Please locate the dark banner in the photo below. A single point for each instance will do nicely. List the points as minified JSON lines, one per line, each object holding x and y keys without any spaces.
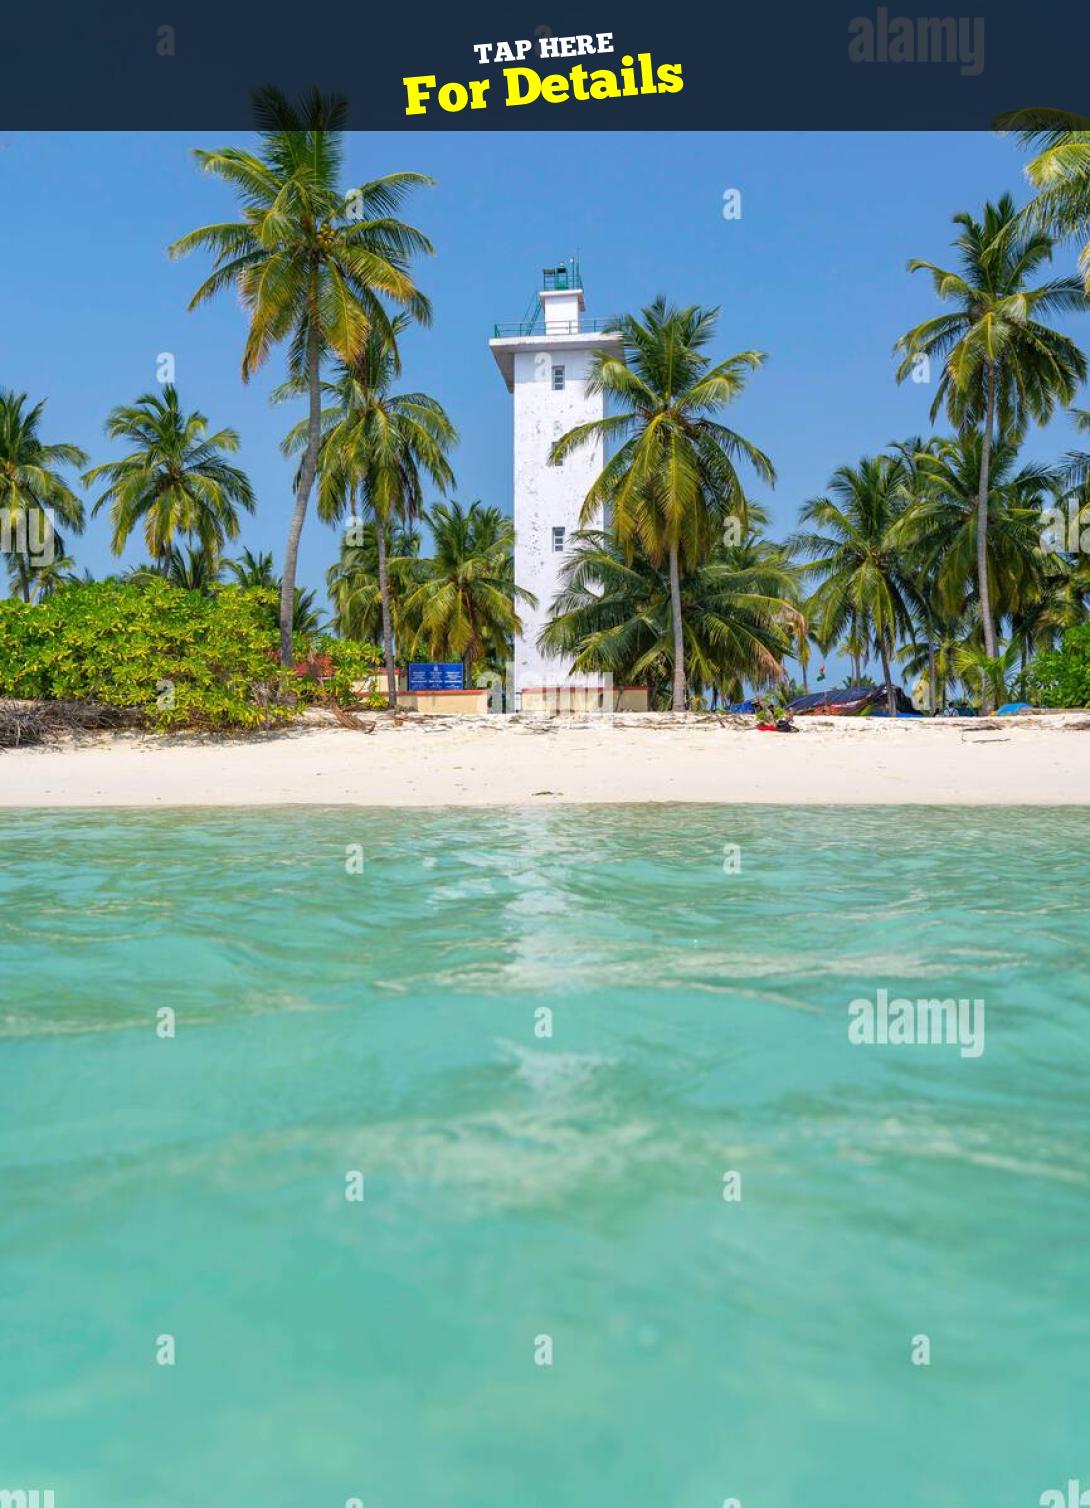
{"x":182,"y":64}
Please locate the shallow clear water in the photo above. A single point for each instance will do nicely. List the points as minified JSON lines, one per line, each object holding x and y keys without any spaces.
{"x":519,"y":1186}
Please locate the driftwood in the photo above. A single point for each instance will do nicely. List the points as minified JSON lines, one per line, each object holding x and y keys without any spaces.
{"x":347,"y":719}
{"x":33,"y":722}
{"x":329,"y":703}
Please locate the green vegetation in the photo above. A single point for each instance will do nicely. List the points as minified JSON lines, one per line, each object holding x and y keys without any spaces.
{"x":353,"y":580}
{"x":860,"y":573}
{"x":174,"y":658}
{"x":177,"y":658}
{"x":376,"y":449}
{"x":949,"y":556}
{"x":671,"y":485}
{"x":1002,"y":365}
{"x":33,"y":493}
{"x":461,"y":601}
{"x":1061,"y":175}
{"x":1061,"y":677}
{"x":311,"y":263}
{"x":616,"y":614}
{"x":174,"y":479}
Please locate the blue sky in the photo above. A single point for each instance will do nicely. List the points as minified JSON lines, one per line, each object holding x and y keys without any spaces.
{"x":813,"y":274}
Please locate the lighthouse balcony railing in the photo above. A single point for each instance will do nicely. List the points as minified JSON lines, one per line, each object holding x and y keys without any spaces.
{"x":554,"y":327}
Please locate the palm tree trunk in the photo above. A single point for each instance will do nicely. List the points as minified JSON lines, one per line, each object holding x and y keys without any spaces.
{"x":991,"y":646}
{"x":302,"y":495}
{"x":891,"y":699}
{"x":678,"y":701}
{"x":932,"y":688}
{"x":384,"y":594}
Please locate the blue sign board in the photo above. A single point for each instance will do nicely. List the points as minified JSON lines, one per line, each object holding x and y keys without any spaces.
{"x":437,"y":675}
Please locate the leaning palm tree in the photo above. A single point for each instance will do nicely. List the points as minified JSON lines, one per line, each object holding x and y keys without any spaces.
{"x":859,"y":574}
{"x":173,"y":480}
{"x":1002,"y":365}
{"x":672,"y":482}
{"x":464,"y":606}
{"x":309,"y":263}
{"x":377,"y":449}
{"x":614,"y":613}
{"x":33,"y":494}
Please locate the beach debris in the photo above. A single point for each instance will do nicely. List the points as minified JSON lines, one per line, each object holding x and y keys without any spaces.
{"x":33,"y":722}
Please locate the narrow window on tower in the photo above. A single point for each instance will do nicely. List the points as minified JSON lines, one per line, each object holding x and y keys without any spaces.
{"x":558,"y":539}
{"x":558,"y":379}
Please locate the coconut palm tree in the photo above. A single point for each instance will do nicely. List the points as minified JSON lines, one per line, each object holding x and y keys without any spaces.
{"x":921,"y":565}
{"x":861,"y":582}
{"x":254,"y":570}
{"x":672,"y":481}
{"x":465,"y":603}
{"x":1002,"y":365}
{"x":35,"y":581}
{"x":614,"y":613}
{"x":174,"y":479}
{"x":257,"y":571}
{"x":377,"y":448}
{"x":34,"y":496}
{"x":855,"y":641}
{"x":986,"y":675}
{"x":310,"y":263}
{"x":306,"y":617}
{"x":1060,"y":172}
{"x":191,"y":569}
{"x":936,"y":654}
{"x":353,"y":581}
{"x":936,"y":533}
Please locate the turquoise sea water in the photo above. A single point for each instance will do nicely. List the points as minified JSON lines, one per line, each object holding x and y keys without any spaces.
{"x":520,"y":1186}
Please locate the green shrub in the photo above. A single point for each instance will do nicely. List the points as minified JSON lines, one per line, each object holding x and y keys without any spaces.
{"x":1061,"y":677}
{"x":175,"y":658}
{"x":342,"y":663}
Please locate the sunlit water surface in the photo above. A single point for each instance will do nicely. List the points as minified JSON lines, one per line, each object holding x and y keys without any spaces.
{"x":518,"y":1185}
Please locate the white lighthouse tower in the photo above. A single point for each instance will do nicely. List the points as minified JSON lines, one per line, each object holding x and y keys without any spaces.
{"x":545,"y":362}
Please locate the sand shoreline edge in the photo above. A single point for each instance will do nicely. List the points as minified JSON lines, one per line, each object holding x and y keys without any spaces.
{"x":1038,"y":761}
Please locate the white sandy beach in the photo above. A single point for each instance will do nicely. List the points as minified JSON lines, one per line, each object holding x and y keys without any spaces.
{"x":1043,"y":760}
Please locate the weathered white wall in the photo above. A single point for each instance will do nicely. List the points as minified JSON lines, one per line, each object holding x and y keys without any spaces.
{"x":546,"y":495}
